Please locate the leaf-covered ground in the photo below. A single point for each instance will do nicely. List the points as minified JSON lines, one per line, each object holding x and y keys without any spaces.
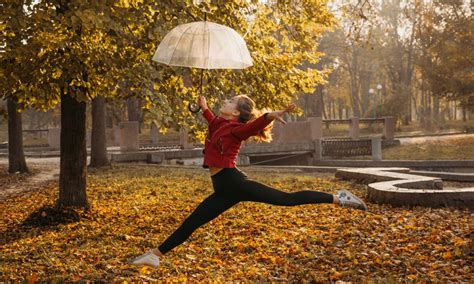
{"x":135,"y":208}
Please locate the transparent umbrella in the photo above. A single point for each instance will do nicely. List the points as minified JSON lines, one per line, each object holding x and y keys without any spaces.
{"x":204,"y":45}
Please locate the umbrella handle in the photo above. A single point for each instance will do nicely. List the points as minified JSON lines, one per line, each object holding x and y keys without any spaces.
{"x":194,"y":108}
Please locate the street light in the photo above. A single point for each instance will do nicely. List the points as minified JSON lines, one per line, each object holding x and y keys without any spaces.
{"x":379,"y":88}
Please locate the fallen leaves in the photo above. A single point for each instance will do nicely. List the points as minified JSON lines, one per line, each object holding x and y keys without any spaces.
{"x":136,"y":208}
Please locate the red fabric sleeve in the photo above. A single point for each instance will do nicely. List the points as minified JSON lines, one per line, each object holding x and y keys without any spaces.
{"x":252,"y":128}
{"x":208,"y":115}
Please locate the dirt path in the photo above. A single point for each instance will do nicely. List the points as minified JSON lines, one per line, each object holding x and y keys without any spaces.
{"x":44,"y":169}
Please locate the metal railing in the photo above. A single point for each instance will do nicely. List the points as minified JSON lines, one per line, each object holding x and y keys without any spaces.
{"x":346,"y":148}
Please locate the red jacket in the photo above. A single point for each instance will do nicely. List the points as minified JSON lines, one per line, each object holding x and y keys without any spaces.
{"x":224,"y":138}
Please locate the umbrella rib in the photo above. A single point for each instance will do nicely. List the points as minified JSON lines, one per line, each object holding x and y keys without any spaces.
{"x":180,"y":38}
{"x":192,"y":41}
{"x":208,"y":47}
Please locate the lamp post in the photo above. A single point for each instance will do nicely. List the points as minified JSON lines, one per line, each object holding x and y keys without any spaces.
{"x":372,"y":93}
{"x":379,"y":88}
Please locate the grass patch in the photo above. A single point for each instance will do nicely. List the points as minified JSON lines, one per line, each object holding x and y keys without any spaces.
{"x":449,"y":149}
{"x":135,"y":208}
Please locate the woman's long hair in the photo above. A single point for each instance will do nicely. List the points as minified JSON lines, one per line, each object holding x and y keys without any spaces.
{"x":248,"y":112}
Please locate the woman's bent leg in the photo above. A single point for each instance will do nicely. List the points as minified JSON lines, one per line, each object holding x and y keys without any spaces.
{"x":209,"y":209}
{"x":255,"y":191}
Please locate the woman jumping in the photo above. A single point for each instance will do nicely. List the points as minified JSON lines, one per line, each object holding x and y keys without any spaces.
{"x":238,"y":120}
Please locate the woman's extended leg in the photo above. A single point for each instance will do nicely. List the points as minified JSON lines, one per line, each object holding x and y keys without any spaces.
{"x":255,"y":191}
{"x":209,"y":209}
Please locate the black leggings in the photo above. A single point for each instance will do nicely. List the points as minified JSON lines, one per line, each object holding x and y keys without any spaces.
{"x":230,"y":187}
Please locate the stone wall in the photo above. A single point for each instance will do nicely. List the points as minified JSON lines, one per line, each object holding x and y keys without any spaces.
{"x":298,"y":131}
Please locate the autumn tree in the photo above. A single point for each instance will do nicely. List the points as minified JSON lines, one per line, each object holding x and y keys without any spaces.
{"x":15,"y":31}
{"x":350,"y":47}
{"x":80,"y":50}
{"x":445,"y":58}
{"x":68,"y":54}
{"x":387,"y":43}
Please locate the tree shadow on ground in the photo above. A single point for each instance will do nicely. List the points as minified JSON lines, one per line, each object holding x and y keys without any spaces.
{"x":46,"y":218}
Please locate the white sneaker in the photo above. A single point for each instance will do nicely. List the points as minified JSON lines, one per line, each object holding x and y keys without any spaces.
{"x":149,"y":259}
{"x":347,"y":199}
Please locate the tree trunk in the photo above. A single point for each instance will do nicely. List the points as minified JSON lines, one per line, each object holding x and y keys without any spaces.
{"x":305,"y":104}
{"x":454,"y":110}
{"x":449,"y":110}
{"x":355,"y":85}
{"x":321,"y":102}
{"x":73,"y":170}
{"x":436,"y":109}
{"x":319,"y":106}
{"x":429,"y":109}
{"x":16,"y":156}
{"x":328,"y":108}
{"x":339,"y":109}
{"x":364,"y":78}
{"x":415,"y":106}
{"x":443,"y":115}
{"x":422,"y":108}
{"x":98,"y":136}
{"x":334,"y":109}
{"x":408,"y":117}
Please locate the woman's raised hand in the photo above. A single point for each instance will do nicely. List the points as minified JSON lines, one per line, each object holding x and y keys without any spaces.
{"x":278,"y":114}
{"x":202,"y":103}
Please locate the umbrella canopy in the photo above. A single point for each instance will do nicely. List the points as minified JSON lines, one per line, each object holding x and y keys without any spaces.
{"x":204,"y":45}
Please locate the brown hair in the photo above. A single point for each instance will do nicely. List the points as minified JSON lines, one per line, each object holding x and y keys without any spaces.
{"x":248,"y":112}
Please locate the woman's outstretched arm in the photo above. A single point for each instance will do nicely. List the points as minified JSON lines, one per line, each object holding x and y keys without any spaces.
{"x":253,"y":127}
{"x":278,"y":114}
{"x":205,"y":109}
